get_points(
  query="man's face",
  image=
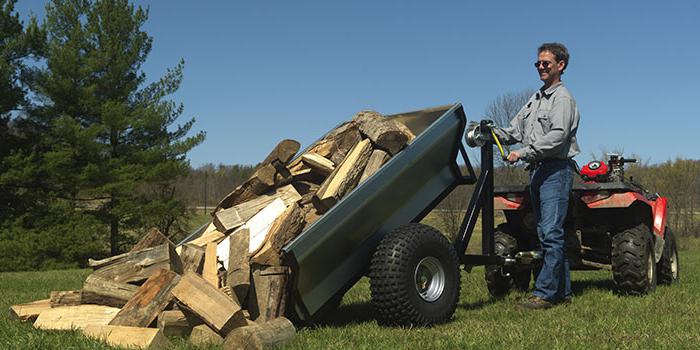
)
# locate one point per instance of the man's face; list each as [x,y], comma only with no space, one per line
[553,69]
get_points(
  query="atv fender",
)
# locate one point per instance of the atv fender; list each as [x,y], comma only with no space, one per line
[659,212]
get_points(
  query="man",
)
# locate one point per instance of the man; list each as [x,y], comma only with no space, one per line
[546,126]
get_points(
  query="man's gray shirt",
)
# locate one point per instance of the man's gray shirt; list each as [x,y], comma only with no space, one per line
[546,126]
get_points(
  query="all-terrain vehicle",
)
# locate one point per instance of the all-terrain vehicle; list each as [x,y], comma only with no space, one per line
[613,223]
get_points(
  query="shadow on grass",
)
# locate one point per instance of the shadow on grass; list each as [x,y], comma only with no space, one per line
[580,287]
[348,314]
[479,304]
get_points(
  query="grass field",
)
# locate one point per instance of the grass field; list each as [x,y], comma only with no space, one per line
[666,319]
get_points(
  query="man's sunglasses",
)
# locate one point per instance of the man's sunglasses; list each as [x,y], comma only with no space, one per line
[544,64]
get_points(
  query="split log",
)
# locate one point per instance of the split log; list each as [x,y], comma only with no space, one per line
[344,178]
[287,226]
[307,190]
[70,317]
[261,335]
[231,218]
[211,305]
[208,237]
[210,270]
[65,298]
[29,311]
[318,163]
[386,134]
[260,224]
[283,152]
[268,296]
[202,336]
[257,184]
[104,291]
[151,239]
[148,302]
[131,337]
[136,267]
[238,268]
[173,323]
[376,160]
[192,258]
[345,140]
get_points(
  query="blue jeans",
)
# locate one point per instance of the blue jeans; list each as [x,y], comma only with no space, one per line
[550,186]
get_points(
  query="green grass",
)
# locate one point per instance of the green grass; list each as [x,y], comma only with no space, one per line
[667,318]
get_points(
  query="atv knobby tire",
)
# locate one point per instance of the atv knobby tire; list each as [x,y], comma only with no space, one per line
[667,267]
[414,277]
[500,280]
[633,261]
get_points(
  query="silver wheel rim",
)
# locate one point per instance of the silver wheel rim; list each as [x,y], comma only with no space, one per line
[429,279]
[650,268]
[674,264]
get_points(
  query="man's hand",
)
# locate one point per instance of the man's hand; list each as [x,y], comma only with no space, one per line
[513,157]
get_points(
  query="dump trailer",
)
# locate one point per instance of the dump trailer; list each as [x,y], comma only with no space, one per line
[331,255]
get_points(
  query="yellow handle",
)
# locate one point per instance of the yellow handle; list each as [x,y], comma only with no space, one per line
[498,143]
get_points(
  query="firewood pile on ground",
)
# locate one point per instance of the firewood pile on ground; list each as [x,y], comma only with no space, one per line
[228,286]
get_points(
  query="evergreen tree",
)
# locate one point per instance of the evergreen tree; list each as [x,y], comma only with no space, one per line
[17,43]
[111,140]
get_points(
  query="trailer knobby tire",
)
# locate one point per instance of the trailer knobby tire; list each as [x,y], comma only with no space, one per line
[414,277]
[633,261]
[667,267]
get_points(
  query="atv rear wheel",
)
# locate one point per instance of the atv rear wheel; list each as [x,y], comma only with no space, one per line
[414,277]
[500,279]
[667,267]
[633,261]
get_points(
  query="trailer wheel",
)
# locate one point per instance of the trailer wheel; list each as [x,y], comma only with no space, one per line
[414,277]
[667,267]
[500,279]
[633,261]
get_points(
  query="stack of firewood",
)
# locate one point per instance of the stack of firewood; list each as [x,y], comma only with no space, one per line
[229,285]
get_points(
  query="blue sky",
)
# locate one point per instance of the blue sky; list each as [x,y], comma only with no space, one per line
[257,72]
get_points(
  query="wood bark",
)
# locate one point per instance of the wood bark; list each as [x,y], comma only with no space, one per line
[174,323]
[283,229]
[136,267]
[231,218]
[152,238]
[104,291]
[386,134]
[65,298]
[310,216]
[261,335]
[148,301]
[344,178]
[29,311]
[131,337]
[268,296]
[211,305]
[238,271]
[202,336]
[376,160]
[192,258]
[70,317]
[318,163]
